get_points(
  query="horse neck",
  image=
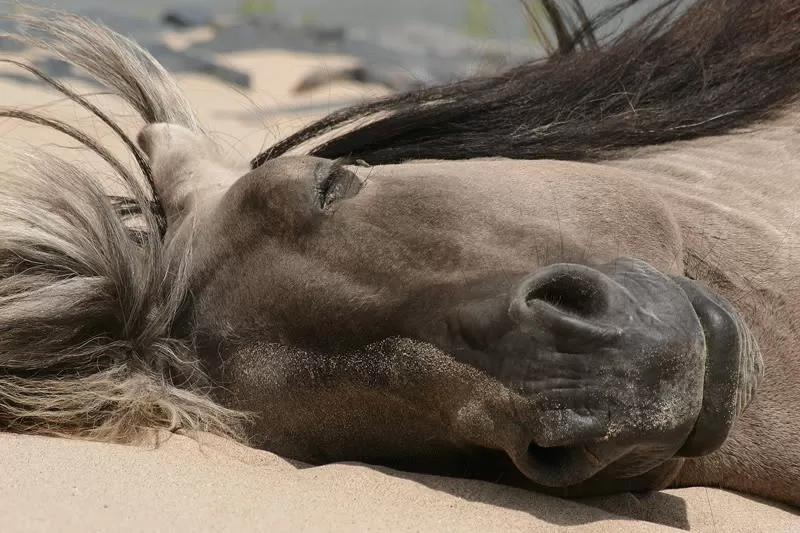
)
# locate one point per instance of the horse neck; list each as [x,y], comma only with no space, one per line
[735,199]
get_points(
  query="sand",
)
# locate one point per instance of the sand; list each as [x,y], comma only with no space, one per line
[215,485]
[49,484]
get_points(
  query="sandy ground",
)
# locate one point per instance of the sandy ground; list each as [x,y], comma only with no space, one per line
[215,485]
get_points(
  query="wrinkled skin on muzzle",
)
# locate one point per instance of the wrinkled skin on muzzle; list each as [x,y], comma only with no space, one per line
[613,365]
[434,315]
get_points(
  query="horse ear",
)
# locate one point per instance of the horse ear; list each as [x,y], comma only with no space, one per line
[162,137]
[734,369]
[185,163]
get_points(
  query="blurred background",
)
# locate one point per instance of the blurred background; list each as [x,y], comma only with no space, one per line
[260,69]
[475,18]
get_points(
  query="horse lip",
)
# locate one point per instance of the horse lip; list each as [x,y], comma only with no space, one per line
[733,368]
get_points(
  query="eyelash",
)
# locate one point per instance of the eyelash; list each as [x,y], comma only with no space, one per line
[324,187]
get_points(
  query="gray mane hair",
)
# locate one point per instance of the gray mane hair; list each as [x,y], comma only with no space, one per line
[86,309]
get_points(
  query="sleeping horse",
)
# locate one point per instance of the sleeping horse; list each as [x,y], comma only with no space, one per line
[581,274]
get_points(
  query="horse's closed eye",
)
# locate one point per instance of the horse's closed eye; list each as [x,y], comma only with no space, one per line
[338,184]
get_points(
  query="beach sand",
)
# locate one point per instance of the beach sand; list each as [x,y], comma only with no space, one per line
[49,484]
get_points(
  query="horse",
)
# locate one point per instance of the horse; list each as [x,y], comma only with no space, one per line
[578,276]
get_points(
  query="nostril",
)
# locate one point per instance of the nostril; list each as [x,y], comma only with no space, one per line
[571,293]
[567,308]
[550,459]
[560,466]
[565,448]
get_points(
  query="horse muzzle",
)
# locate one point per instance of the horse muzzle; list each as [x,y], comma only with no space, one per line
[616,369]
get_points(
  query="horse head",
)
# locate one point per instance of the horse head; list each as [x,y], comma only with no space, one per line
[401,313]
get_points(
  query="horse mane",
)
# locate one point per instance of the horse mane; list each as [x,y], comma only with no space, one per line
[87,303]
[720,66]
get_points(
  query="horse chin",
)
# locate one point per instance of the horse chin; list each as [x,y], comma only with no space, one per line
[620,369]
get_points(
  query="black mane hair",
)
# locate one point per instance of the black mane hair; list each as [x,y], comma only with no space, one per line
[675,74]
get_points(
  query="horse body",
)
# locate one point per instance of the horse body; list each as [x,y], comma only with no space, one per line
[586,325]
